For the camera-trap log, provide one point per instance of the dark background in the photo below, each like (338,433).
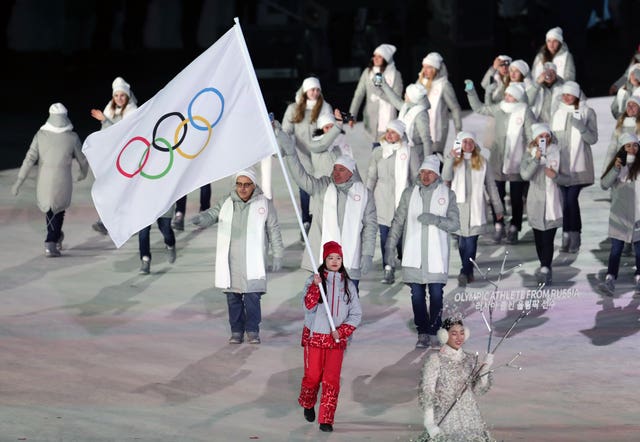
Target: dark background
(71,50)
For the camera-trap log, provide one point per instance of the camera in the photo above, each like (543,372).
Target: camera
(377,79)
(347,117)
(576,114)
(542,145)
(623,157)
(457,148)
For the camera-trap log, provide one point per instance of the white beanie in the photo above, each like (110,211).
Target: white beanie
(386,51)
(416,92)
(346,161)
(249,173)
(520,65)
(119,85)
(431,162)
(465,134)
(310,83)
(516,91)
(632,69)
(397,126)
(626,138)
(57,108)
(555,34)
(635,99)
(433,59)
(571,88)
(550,65)
(540,128)
(325,119)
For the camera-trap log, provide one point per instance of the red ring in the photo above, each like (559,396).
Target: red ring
(142,163)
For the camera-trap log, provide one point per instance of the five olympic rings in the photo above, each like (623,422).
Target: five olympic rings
(163,145)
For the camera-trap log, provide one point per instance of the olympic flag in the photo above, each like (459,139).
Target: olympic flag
(207,123)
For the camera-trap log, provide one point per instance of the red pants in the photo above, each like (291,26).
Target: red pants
(321,365)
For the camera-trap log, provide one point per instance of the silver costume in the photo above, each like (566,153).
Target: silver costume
(443,377)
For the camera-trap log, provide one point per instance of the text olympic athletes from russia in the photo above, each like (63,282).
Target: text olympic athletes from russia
(515,299)
(179,137)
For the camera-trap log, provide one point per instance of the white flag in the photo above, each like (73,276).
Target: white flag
(209,122)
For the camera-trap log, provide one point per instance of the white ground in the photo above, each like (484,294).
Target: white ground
(92,351)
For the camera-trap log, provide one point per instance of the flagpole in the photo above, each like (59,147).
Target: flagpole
(274,144)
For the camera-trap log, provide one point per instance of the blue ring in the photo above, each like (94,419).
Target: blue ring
(208,89)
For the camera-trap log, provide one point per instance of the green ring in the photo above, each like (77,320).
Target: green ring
(164,172)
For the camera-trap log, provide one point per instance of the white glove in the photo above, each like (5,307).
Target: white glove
(196,220)
(487,363)
(429,424)
(15,189)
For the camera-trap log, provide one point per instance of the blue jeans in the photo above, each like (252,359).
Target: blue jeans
(467,246)
(571,220)
(616,254)
(517,193)
(304,206)
(427,322)
(384,234)
(244,312)
(164,224)
(205,200)
(54,225)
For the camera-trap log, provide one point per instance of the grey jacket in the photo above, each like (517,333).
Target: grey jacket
(490,194)
(589,132)
(449,224)
(550,98)
(238,245)
(421,133)
(315,319)
(622,215)
(364,91)
(381,181)
(317,187)
(303,132)
(53,152)
(532,171)
(448,103)
(502,122)
(493,86)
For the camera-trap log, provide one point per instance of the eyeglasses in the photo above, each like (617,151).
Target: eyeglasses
(243,185)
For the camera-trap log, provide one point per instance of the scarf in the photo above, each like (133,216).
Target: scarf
(477,212)
(401,172)
(437,243)
(434,95)
(254,242)
(576,151)
(512,155)
(552,201)
(349,237)
(408,114)
(386,111)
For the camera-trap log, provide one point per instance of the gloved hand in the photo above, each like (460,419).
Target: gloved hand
(468,85)
(366,262)
(81,177)
(428,219)
(429,424)
(286,143)
(196,220)
(578,124)
(15,189)
(276,264)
